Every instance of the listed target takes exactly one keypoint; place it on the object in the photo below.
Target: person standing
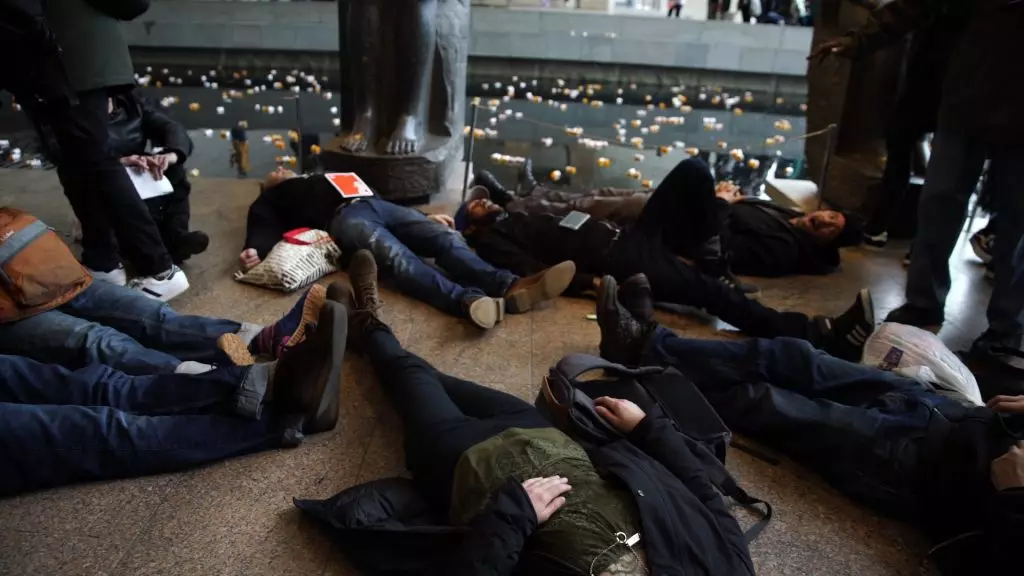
(978, 119)
(675, 6)
(240, 147)
(70, 57)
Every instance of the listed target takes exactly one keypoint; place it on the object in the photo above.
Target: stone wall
(534, 35)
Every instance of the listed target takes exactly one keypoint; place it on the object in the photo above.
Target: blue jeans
(859, 427)
(59, 426)
(399, 237)
(953, 172)
(118, 327)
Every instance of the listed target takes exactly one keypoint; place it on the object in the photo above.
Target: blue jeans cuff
(249, 398)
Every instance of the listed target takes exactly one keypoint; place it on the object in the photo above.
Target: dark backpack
(568, 402)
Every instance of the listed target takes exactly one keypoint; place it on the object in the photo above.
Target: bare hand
(622, 414)
(135, 161)
(1008, 469)
(248, 259)
(1007, 404)
(546, 495)
(159, 163)
(443, 219)
(841, 46)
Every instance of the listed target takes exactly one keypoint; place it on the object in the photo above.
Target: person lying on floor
(956, 471)
(526, 243)
(534, 500)
(96, 322)
(398, 237)
(96, 423)
(760, 237)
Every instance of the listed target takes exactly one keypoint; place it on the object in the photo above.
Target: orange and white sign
(349, 184)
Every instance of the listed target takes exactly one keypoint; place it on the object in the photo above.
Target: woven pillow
(291, 266)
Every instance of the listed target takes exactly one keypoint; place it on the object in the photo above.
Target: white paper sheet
(146, 186)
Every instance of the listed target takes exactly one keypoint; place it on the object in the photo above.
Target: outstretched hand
(1008, 470)
(1007, 404)
(248, 259)
(622, 414)
(841, 46)
(442, 219)
(546, 495)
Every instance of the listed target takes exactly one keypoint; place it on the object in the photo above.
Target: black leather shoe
(914, 316)
(623, 336)
(527, 182)
(189, 244)
(499, 194)
(308, 375)
(635, 296)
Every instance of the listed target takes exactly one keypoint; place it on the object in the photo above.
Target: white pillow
(291, 266)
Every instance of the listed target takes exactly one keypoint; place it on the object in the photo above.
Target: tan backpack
(37, 270)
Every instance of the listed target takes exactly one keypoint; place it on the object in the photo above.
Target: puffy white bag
(915, 353)
(291, 266)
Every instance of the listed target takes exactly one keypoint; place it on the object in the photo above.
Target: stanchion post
(469, 156)
(829, 142)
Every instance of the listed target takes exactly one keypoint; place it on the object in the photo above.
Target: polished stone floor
(236, 517)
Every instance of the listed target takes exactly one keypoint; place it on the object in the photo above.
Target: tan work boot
(527, 292)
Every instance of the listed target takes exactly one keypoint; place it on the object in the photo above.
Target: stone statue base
(400, 178)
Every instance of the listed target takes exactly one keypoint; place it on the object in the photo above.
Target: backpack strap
(573, 366)
(20, 240)
(727, 485)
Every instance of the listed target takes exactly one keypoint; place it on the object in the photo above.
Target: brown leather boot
(527, 292)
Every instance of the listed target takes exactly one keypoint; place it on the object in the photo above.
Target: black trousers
(677, 282)
(172, 212)
(443, 415)
(683, 214)
(98, 188)
(675, 9)
(914, 115)
(683, 217)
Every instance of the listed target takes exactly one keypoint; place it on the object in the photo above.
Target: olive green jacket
(94, 50)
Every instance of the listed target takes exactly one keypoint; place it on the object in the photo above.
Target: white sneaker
(163, 286)
(117, 276)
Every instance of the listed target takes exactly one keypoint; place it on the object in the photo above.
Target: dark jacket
(974, 528)
(94, 50)
(761, 242)
(385, 528)
(525, 244)
(302, 202)
(136, 120)
(979, 96)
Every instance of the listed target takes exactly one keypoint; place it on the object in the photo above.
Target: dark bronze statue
(405, 30)
(403, 94)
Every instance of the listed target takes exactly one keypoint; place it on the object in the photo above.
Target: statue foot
(362, 133)
(405, 140)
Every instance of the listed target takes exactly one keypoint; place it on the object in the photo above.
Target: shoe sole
(486, 312)
(331, 333)
(979, 251)
(868, 303)
(236, 350)
(315, 299)
(551, 285)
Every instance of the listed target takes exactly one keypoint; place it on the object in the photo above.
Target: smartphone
(574, 220)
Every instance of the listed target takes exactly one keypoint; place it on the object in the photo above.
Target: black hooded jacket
(762, 242)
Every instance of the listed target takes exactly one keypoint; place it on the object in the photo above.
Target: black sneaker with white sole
(163, 286)
(848, 332)
(878, 241)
